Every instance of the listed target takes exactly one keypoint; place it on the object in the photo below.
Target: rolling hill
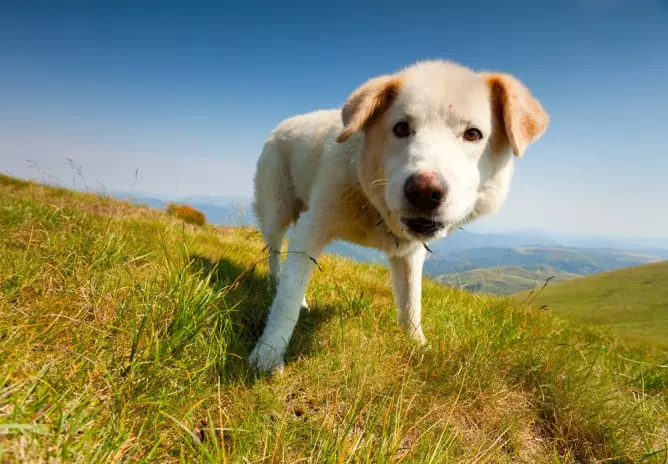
(503, 271)
(631, 302)
(503, 280)
(124, 335)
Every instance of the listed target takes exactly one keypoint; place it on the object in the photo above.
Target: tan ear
(524, 118)
(367, 102)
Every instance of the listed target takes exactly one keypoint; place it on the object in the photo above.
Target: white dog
(409, 157)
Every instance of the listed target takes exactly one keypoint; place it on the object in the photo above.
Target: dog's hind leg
(274, 239)
(276, 205)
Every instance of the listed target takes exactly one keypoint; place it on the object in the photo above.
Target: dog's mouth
(422, 227)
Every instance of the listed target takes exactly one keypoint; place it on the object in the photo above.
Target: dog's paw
(418, 337)
(305, 305)
(266, 359)
(415, 334)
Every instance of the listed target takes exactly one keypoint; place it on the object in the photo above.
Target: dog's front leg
(303, 249)
(407, 282)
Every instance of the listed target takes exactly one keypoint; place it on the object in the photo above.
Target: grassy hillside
(503, 280)
(631, 302)
(123, 335)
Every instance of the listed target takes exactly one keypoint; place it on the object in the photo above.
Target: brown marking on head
(367, 103)
(371, 167)
(523, 117)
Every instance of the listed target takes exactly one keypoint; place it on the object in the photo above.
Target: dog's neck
(383, 238)
(359, 221)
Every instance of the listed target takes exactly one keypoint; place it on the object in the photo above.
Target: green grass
(631, 302)
(124, 332)
(503, 280)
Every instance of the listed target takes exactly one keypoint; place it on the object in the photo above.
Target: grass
(631, 302)
(124, 332)
(186, 213)
(503, 280)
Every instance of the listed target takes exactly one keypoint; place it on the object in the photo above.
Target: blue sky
(186, 92)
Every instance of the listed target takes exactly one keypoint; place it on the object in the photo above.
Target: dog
(409, 157)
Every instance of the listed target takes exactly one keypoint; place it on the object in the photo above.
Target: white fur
(354, 190)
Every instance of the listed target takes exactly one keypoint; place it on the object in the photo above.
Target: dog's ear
(367, 102)
(523, 117)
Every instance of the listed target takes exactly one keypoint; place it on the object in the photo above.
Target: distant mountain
(648, 245)
(234, 214)
(459, 240)
(581, 261)
(510, 270)
(503, 280)
(221, 201)
(356, 252)
(464, 240)
(148, 201)
(228, 211)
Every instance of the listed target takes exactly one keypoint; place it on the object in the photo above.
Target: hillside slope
(503, 280)
(632, 302)
(123, 335)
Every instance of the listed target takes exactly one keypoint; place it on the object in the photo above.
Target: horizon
(563, 239)
(186, 94)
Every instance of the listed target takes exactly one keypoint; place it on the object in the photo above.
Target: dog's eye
(472, 135)
(402, 129)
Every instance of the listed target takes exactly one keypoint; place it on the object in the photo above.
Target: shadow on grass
(248, 291)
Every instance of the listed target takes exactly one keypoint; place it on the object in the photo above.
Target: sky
(176, 98)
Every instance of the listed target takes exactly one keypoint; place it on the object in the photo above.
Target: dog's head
(439, 141)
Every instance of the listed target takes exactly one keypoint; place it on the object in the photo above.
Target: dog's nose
(425, 190)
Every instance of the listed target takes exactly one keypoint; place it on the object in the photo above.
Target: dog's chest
(376, 234)
(357, 221)
(383, 239)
